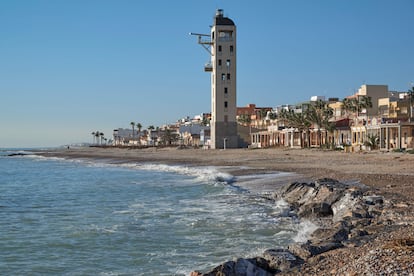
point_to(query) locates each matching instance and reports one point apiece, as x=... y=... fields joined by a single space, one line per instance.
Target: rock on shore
x=348 y=216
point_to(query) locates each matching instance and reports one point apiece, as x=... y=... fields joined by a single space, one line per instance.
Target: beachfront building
x=128 y=137
x=364 y=121
x=387 y=122
x=253 y=116
x=221 y=44
x=374 y=92
x=396 y=135
x=193 y=134
x=396 y=128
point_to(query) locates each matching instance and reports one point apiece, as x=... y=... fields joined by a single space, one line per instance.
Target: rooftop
x=219 y=19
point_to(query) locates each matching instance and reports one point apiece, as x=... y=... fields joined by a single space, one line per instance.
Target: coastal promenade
x=388 y=248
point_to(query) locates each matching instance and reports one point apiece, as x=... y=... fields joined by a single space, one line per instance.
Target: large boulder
x=241 y=267
x=281 y=259
x=307 y=250
x=330 y=198
x=314 y=199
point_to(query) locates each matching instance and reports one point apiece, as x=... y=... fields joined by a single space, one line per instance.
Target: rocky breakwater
x=348 y=216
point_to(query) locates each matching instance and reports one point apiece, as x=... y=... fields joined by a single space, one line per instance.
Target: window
x=223 y=76
x=228 y=63
x=219 y=62
x=226 y=104
x=231 y=48
x=226 y=90
x=228 y=76
x=219 y=48
x=225 y=35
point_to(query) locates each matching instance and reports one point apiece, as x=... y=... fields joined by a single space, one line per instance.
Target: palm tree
x=348 y=106
x=151 y=127
x=205 y=121
x=97 y=134
x=263 y=114
x=244 y=119
x=139 y=126
x=272 y=115
x=298 y=120
x=102 y=136
x=169 y=137
x=93 y=136
x=320 y=114
x=364 y=102
x=133 y=125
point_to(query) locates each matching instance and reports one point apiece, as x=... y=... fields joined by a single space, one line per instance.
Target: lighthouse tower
x=222 y=48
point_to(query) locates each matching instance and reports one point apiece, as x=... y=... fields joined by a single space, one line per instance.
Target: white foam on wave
x=43 y=158
x=305 y=229
x=282 y=208
x=202 y=174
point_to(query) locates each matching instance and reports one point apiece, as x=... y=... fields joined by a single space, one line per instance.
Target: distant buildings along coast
x=372 y=118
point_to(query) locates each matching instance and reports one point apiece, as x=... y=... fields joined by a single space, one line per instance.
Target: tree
x=356 y=105
x=139 y=126
x=133 y=125
x=93 y=136
x=97 y=134
x=151 y=127
x=320 y=114
x=364 y=102
x=205 y=122
x=298 y=120
x=372 y=141
x=102 y=136
x=348 y=105
x=169 y=137
x=272 y=116
x=263 y=113
x=244 y=119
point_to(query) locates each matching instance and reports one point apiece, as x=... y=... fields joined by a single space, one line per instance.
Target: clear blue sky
x=68 y=68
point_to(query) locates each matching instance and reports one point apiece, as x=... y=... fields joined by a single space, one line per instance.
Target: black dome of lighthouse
x=219 y=19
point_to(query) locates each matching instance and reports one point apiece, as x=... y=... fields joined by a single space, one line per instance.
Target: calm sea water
x=85 y=217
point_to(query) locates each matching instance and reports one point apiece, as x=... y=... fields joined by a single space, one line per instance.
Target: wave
x=305 y=229
x=202 y=174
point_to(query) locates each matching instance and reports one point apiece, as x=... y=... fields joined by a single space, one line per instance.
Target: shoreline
x=390 y=175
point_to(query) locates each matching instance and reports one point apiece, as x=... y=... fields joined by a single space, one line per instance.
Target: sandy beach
x=389 y=174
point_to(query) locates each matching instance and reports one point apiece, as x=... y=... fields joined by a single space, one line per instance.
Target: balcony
x=208 y=67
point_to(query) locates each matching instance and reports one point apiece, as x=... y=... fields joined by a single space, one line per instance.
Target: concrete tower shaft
x=223 y=83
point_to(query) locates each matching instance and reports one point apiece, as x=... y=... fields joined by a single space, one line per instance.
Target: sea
x=103 y=217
